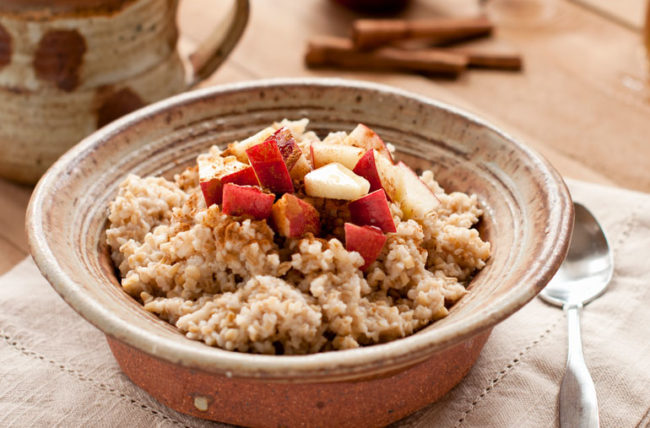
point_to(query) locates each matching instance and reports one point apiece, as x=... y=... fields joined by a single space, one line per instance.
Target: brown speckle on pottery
x=528 y=216
x=58 y=58
x=117 y=105
x=5 y=47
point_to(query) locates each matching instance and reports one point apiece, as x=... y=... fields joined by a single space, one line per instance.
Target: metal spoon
x=583 y=276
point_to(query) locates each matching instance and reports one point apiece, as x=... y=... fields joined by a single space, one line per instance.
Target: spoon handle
x=578 y=403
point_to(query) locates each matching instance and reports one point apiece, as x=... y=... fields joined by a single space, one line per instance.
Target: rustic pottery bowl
x=528 y=220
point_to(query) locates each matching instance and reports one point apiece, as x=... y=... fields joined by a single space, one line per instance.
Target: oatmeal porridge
x=284 y=243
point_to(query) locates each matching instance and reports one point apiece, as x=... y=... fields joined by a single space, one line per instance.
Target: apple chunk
x=300 y=169
x=335 y=181
x=239 y=148
x=365 y=240
x=416 y=198
x=287 y=146
x=372 y=210
x=269 y=166
x=323 y=154
x=243 y=177
x=294 y=217
x=390 y=177
x=214 y=172
x=367 y=168
x=403 y=186
x=367 y=139
x=246 y=200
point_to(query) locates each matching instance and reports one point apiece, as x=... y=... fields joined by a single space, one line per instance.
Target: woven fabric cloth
x=56 y=369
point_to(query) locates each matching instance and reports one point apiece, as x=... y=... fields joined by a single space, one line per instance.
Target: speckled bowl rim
x=346 y=364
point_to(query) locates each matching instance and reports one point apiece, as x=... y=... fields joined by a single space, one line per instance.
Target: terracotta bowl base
x=378 y=401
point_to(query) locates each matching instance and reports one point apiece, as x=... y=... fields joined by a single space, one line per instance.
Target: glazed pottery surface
x=528 y=216
x=68 y=67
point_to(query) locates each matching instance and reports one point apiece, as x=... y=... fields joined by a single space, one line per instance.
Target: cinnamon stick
x=489 y=59
x=340 y=52
x=371 y=33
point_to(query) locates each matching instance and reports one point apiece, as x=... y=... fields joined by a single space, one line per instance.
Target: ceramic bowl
x=528 y=220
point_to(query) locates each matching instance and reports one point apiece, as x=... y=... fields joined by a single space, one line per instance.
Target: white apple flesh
x=367 y=139
x=334 y=181
x=390 y=177
x=416 y=199
x=323 y=154
x=239 y=148
x=300 y=169
x=403 y=186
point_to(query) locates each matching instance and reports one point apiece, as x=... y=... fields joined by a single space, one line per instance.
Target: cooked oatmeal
x=236 y=282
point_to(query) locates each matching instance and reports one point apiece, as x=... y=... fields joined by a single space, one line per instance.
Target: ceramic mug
x=68 y=67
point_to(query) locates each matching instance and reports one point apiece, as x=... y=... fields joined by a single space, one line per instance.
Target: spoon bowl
x=582 y=277
x=588 y=267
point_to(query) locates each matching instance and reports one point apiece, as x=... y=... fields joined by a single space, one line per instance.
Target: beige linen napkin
x=56 y=369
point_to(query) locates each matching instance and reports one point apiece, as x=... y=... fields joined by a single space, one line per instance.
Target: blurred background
x=581 y=99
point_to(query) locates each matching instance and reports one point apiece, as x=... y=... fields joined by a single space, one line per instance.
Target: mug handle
x=215 y=48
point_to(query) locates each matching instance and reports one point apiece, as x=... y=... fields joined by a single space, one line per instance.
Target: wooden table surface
x=580 y=101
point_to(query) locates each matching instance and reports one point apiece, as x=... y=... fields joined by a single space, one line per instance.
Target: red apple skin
x=367 y=168
x=269 y=166
x=372 y=210
x=244 y=177
x=213 y=189
x=293 y=217
x=287 y=146
x=246 y=201
x=366 y=240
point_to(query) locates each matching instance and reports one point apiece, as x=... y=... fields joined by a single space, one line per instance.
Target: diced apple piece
x=367 y=139
x=287 y=146
x=243 y=177
x=367 y=168
x=323 y=153
x=294 y=217
x=214 y=172
x=372 y=210
x=391 y=179
x=365 y=240
x=269 y=166
x=335 y=181
x=300 y=169
x=416 y=198
x=246 y=200
x=239 y=148
x=209 y=181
